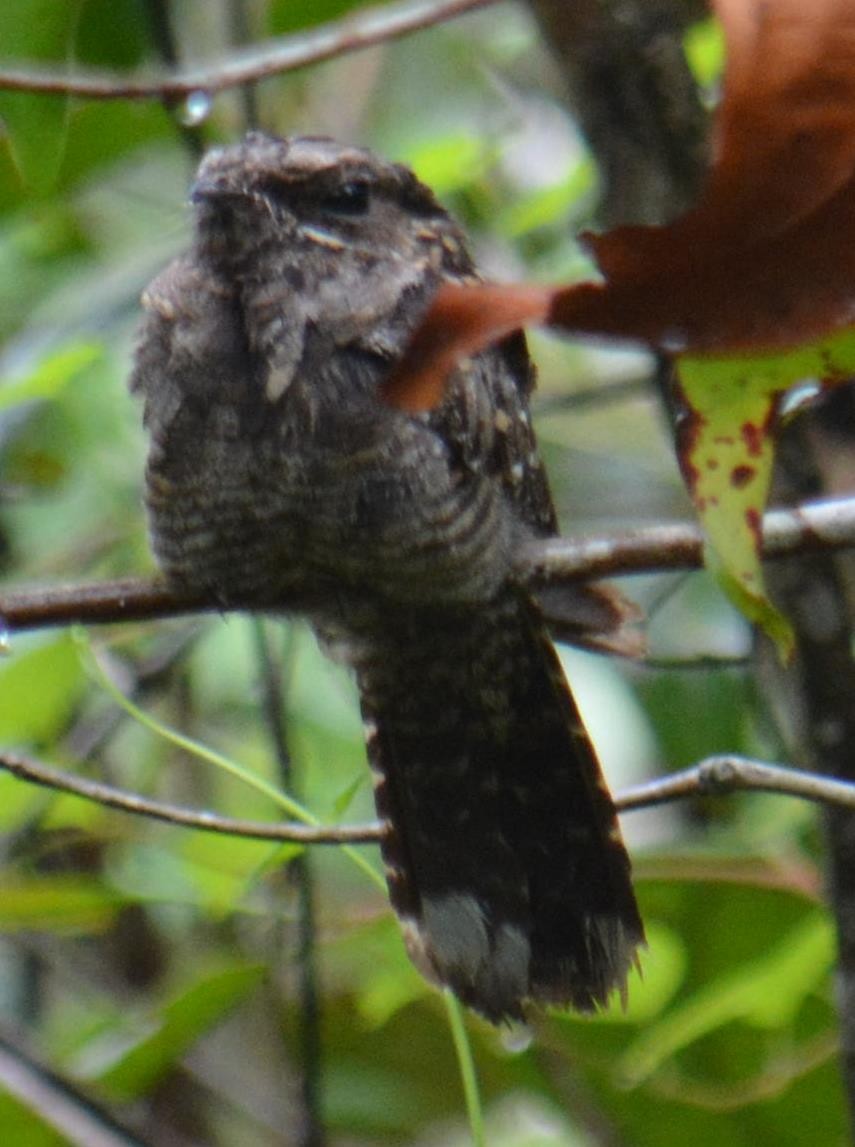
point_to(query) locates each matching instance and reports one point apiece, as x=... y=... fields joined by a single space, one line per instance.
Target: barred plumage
x=275 y=468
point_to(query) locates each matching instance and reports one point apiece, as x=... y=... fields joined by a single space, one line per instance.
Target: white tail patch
x=456 y=944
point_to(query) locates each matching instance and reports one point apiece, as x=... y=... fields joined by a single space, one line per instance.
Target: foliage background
x=160 y=969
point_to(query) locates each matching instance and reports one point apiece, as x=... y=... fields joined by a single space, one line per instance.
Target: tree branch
x=27 y=769
x=825 y=525
x=371 y=26
x=62 y=1105
x=821 y=525
x=725 y=774
x=98 y=603
x=714 y=776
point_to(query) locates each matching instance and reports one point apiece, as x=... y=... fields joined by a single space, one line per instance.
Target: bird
x=279 y=477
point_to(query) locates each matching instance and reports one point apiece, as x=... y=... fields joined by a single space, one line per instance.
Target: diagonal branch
x=81 y=1120
x=821 y=525
x=370 y=26
x=825 y=525
x=34 y=772
x=717 y=775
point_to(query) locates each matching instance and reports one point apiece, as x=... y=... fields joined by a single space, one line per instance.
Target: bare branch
x=718 y=775
x=36 y=773
x=726 y=774
x=699 y=663
x=59 y=1103
x=825 y=525
x=99 y=603
x=282 y=54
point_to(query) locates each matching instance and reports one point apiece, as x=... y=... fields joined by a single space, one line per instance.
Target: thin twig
x=466 y=1066
x=701 y=662
x=727 y=774
x=311 y=1132
x=272 y=695
x=717 y=775
x=240 y=33
x=160 y=22
x=99 y=603
x=371 y=26
x=822 y=525
x=825 y=525
x=26 y=769
x=820 y=687
x=60 y=1104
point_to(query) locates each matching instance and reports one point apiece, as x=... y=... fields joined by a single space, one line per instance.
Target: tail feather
x=503 y=853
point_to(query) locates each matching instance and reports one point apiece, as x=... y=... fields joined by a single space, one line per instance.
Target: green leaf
x=368 y=1095
x=548 y=205
x=171 y=1034
x=345 y=798
x=39 y=690
x=96 y=42
x=390 y=990
x=450 y=163
x=765 y=993
x=56 y=904
x=37 y=126
x=39 y=31
x=52 y=374
x=704 y=46
x=25 y=1126
x=293 y=15
x=727 y=452
x=726 y=455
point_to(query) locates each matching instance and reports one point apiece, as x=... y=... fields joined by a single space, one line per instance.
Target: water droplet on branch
x=195 y=109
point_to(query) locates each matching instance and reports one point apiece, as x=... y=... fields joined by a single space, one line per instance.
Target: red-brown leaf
x=460 y=321
x=764 y=261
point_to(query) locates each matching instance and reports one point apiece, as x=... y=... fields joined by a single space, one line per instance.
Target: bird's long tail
x=503 y=853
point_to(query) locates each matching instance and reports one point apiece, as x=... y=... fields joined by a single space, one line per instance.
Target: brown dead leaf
x=764 y=261
x=461 y=320
x=750 y=291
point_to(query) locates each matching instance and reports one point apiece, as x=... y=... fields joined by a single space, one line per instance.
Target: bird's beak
x=208 y=187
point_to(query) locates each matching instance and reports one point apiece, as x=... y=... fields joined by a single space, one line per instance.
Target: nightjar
x=278 y=478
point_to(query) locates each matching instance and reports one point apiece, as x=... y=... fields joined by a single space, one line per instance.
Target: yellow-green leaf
x=727 y=452
x=39 y=688
x=765 y=993
x=129 y=1071
x=56 y=904
x=52 y=374
x=36 y=125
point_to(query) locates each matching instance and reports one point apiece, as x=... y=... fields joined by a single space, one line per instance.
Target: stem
x=311 y=1133
x=370 y=26
x=164 y=40
x=466 y=1064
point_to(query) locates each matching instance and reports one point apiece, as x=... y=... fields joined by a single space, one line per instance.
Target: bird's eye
x=352 y=198
x=273 y=189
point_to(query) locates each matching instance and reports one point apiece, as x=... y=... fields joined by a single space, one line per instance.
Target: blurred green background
x=159 y=968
